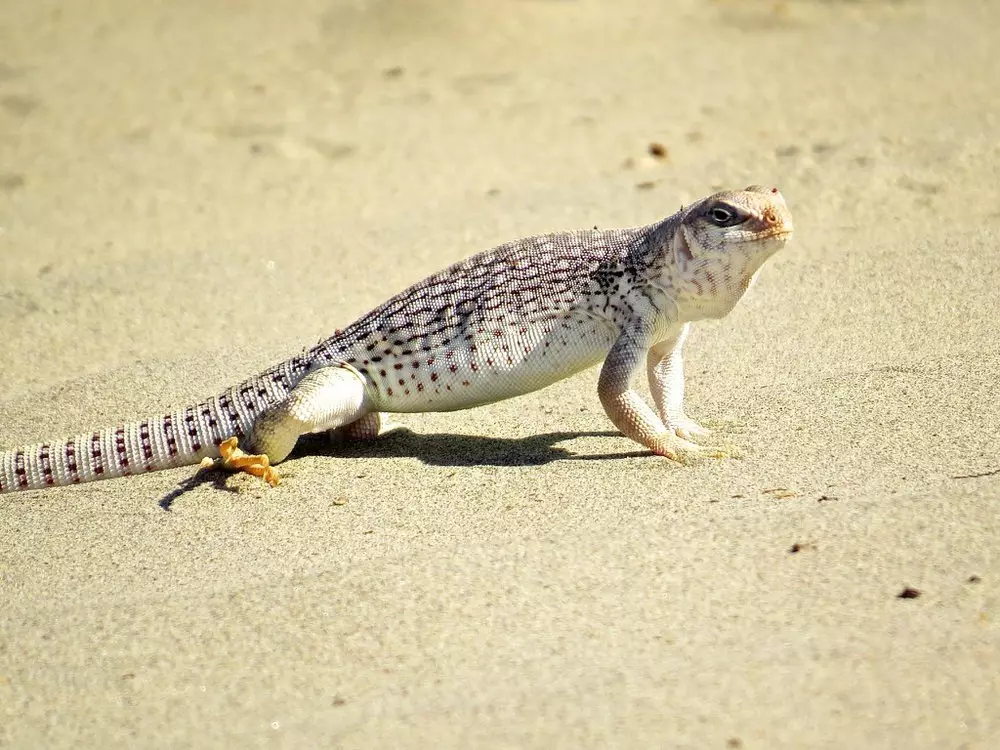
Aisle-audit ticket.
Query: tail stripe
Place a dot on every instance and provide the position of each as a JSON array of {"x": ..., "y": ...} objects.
[
  {"x": 121, "y": 450},
  {"x": 20, "y": 469},
  {"x": 45, "y": 463},
  {"x": 192, "y": 428},
  {"x": 146, "y": 444},
  {"x": 71, "y": 465},
  {"x": 96, "y": 463},
  {"x": 168, "y": 435},
  {"x": 226, "y": 405}
]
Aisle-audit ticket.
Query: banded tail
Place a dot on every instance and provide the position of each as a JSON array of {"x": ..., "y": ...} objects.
[{"x": 180, "y": 438}]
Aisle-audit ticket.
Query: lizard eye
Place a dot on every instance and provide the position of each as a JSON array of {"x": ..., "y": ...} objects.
[{"x": 724, "y": 216}]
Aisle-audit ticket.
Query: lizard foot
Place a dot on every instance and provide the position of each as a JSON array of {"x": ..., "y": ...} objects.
[
  {"x": 687, "y": 429},
  {"x": 687, "y": 453},
  {"x": 232, "y": 458}
]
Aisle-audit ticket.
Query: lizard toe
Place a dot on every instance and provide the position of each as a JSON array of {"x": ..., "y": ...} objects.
[{"x": 232, "y": 458}]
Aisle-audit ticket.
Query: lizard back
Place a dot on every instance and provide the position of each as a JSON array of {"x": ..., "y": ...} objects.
[{"x": 528, "y": 313}]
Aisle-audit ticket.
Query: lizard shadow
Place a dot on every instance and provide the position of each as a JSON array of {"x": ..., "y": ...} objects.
[
  {"x": 446, "y": 449},
  {"x": 214, "y": 477},
  {"x": 437, "y": 449}
]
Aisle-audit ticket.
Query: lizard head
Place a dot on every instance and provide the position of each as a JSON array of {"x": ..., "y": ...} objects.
[{"x": 722, "y": 242}]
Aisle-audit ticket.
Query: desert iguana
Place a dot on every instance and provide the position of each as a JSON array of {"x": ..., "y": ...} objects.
[{"x": 500, "y": 324}]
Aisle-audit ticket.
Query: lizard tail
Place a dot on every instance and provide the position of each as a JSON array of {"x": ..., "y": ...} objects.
[
  {"x": 177, "y": 439},
  {"x": 180, "y": 438}
]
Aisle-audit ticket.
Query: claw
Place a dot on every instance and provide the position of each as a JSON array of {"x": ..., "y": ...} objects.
[{"x": 232, "y": 458}]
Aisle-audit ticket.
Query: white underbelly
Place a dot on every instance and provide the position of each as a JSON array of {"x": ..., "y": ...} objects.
[{"x": 493, "y": 366}]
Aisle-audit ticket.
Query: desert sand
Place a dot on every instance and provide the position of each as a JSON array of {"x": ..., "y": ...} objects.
[{"x": 190, "y": 191}]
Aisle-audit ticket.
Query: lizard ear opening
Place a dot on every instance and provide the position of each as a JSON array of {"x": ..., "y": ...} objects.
[{"x": 681, "y": 246}]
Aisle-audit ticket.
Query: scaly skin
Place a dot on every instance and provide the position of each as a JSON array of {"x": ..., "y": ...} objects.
[{"x": 500, "y": 324}]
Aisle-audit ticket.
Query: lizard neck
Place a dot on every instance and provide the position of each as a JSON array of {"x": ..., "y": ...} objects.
[{"x": 710, "y": 285}]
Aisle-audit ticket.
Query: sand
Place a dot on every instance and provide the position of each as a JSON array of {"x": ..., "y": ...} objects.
[{"x": 192, "y": 190}]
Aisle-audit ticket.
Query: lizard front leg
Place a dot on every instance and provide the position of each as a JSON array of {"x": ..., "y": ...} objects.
[
  {"x": 665, "y": 369},
  {"x": 371, "y": 426},
  {"x": 324, "y": 399},
  {"x": 628, "y": 411}
]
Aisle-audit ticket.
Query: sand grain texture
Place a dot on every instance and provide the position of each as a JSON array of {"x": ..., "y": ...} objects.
[{"x": 190, "y": 191}]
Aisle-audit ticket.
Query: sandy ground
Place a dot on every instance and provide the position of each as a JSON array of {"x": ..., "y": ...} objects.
[{"x": 192, "y": 190}]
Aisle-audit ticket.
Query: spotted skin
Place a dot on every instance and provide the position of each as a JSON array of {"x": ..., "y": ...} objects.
[{"x": 500, "y": 324}]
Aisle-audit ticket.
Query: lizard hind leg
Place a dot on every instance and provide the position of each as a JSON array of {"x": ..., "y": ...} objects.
[{"x": 325, "y": 399}]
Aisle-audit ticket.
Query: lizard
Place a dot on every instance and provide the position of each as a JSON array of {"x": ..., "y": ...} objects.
[{"x": 500, "y": 324}]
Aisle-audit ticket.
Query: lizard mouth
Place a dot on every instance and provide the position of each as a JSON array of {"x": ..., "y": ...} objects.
[{"x": 770, "y": 235}]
